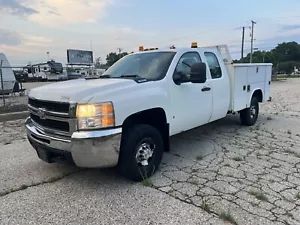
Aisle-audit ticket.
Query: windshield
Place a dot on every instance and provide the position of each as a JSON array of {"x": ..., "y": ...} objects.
[{"x": 149, "y": 66}]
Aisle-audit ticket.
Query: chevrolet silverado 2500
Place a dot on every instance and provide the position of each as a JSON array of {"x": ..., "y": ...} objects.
[{"x": 125, "y": 117}]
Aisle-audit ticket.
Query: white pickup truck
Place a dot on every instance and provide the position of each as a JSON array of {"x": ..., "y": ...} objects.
[{"x": 125, "y": 117}]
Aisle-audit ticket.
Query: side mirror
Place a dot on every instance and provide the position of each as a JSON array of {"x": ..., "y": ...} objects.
[{"x": 198, "y": 73}]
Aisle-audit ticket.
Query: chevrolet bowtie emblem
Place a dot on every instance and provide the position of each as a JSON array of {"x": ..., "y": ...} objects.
[{"x": 41, "y": 113}]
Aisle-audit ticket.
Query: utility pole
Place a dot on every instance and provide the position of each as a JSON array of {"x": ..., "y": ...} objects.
[
  {"x": 2, "y": 85},
  {"x": 243, "y": 42},
  {"x": 252, "y": 39}
]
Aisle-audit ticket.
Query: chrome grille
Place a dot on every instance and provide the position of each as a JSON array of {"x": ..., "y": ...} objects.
[
  {"x": 53, "y": 117},
  {"x": 60, "y": 107}
]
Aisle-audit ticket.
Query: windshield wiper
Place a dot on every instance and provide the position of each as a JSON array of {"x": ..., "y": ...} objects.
[
  {"x": 130, "y": 75},
  {"x": 105, "y": 76},
  {"x": 138, "y": 78}
]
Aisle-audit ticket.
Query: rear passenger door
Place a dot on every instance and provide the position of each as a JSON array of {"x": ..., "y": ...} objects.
[{"x": 220, "y": 84}]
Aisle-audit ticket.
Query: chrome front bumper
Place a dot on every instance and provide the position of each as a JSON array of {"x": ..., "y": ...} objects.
[{"x": 89, "y": 149}]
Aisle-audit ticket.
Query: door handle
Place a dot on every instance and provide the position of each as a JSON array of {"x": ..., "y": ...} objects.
[{"x": 206, "y": 89}]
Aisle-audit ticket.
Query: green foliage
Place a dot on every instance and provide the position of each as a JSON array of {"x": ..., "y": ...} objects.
[
  {"x": 284, "y": 57},
  {"x": 113, "y": 57},
  {"x": 227, "y": 217}
]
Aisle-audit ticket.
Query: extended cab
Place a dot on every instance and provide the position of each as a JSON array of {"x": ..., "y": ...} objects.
[{"x": 125, "y": 117}]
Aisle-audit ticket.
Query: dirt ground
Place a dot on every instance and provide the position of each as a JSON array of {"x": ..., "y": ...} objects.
[{"x": 220, "y": 173}]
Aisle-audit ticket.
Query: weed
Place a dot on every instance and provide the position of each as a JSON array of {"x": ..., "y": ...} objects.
[
  {"x": 147, "y": 182},
  {"x": 259, "y": 195},
  {"x": 296, "y": 154},
  {"x": 237, "y": 158},
  {"x": 289, "y": 132},
  {"x": 226, "y": 216},
  {"x": 205, "y": 206},
  {"x": 194, "y": 170},
  {"x": 269, "y": 118},
  {"x": 194, "y": 181},
  {"x": 298, "y": 195},
  {"x": 199, "y": 157}
]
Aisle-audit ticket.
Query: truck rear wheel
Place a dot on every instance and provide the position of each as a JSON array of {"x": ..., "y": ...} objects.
[
  {"x": 249, "y": 115},
  {"x": 141, "y": 152}
]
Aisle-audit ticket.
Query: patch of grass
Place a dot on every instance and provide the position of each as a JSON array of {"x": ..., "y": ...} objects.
[
  {"x": 259, "y": 195},
  {"x": 205, "y": 206},
  {"x": 296, "y": 154},
  {"x": 147, "y": 182},
  {"x": 272, "y": 181},
  {"x": 227, "y": 165},
  {"x": 194, "y": 181},
  {"x": 237, "y": 158},
  {"x": 269, "y": 118},
  {"x": 289, "y": 132},
  {"x": 199, "y": 157},
  {"x": 194, "y": 170},
  {"x": 227, "y": 217}
]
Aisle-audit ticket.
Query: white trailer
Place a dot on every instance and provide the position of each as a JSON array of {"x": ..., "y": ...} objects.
[{"x": 8, "y": 82}]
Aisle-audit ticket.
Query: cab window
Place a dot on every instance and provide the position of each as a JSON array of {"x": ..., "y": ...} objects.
[
  {"x": 213, "y": 64},
  {"x": 185, "y": 63}
]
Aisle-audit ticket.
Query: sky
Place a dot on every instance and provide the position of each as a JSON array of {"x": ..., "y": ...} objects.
[{"x": 31, "y": 28}]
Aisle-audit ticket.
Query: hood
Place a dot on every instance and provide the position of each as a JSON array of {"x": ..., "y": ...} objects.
[{"x": 80, "y": 90}]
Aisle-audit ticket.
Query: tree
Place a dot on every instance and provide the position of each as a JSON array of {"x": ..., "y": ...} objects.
[
  {"x": 284, "y": 57},
  {"x": 113, "y": 57},
  {"x": 286, "y": 51},
  {"x": 98, "y": 62}
]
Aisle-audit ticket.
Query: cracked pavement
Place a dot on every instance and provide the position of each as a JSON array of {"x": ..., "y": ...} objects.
[{"x": 220, "y": 173}]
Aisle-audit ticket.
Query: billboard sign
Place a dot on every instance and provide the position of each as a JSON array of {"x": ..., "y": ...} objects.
[{"x": 79, "y": 57}]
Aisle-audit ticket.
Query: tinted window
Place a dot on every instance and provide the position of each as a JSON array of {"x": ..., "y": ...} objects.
[
  {"x": 214, "y": 66},
  {"x": 150, "y": 65},
  {"x": 185, "y": 63}
]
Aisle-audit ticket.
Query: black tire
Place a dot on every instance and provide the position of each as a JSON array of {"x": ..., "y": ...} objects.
[
  {"x": 134, "y": 139},
  {"x": 249, "y": 115}
]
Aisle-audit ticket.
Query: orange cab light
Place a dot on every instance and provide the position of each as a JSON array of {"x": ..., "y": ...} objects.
[{"x": 194, "y": 44}]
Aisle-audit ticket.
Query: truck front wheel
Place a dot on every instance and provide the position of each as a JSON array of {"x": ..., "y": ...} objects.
[
  {"x": 249, "y": 115},
  {"x": 141, "y": 152}
]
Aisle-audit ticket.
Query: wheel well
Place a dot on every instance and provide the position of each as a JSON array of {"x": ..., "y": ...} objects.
[
  {"x": 258, "y": 94},
  {"x": 155, "y": 117}
]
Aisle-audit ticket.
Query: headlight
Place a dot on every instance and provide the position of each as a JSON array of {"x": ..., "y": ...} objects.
[{"x": 93, "y": 116}]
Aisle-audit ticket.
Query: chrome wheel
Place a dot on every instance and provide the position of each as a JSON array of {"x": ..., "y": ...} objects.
[
  {"x": 252, "y": 111},
  {"x": 145, "y": 152}
]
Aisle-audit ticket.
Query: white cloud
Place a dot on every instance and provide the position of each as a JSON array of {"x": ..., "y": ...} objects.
[{"x": 60, "y": 13}]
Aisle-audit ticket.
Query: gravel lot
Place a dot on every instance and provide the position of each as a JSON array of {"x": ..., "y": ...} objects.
[{"x": 220, "y": 173}]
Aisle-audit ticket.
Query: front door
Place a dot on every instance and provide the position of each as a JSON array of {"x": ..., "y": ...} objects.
[{"x": 191, "y": 102}]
